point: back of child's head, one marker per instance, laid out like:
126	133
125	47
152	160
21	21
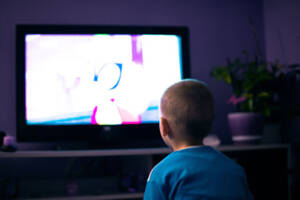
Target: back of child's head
189	106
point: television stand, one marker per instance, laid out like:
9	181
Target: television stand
122	174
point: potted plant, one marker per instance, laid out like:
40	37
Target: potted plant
263	92
255	94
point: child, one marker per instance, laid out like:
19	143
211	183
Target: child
192	171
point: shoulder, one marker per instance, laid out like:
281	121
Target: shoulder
162	168
174	165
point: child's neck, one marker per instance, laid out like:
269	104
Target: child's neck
181	147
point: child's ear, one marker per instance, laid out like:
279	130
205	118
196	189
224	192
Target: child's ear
165	128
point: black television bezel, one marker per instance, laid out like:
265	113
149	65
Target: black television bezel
103	136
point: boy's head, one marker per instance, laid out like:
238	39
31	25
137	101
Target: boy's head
187	112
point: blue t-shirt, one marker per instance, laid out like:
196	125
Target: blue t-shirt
197	173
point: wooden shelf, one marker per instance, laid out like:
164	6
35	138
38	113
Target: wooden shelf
124	152
84	153
227	148
95	197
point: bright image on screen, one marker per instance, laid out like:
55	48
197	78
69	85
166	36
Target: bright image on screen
98	78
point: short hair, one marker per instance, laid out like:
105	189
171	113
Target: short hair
189	106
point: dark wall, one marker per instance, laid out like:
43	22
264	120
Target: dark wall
218	29
282	30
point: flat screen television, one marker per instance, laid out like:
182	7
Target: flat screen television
96	84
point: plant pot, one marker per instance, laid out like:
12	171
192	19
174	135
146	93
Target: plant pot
246	127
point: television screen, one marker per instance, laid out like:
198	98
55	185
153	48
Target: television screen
104	79
94	76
